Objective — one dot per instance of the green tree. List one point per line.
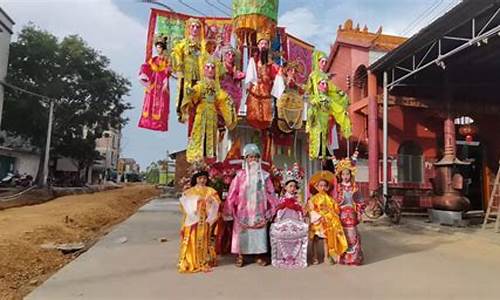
(153, 173)
(89, 95)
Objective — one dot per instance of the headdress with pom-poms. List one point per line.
(292, 174)
(346, 164)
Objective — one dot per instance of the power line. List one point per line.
(418, 19)
(192, 8)
(19, 89)
(222, 4)
(442, 12)
(445, 10)
(217, 8)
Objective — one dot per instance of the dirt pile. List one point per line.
(78, 218)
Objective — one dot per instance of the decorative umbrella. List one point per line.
(254, 16)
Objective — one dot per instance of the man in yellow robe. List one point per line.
(186, 60)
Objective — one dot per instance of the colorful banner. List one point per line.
(173, 25)
(301, 53)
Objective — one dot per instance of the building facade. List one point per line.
(413, 130)
(108, 147)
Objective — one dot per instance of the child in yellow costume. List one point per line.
(324, 218)
(200, 206)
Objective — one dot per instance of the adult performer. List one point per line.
(251, 203)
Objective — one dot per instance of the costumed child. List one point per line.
(351, 208)
(289, 231)
(324, 222)
(200, 206)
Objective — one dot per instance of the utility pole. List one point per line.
(47, 144)
(384, 140)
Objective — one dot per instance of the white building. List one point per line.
(6, 24)
(109, 148)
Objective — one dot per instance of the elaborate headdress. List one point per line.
(317, 55)
(263, 35)
(193, 21)
(228, 48)
(210, 59)
(294, 65)
(202, 30)
(161, 39)
(292, 174)
(346, 164)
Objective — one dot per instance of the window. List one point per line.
(410, 163)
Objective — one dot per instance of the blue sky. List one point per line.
(118, 29)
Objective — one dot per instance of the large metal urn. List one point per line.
(448, 182)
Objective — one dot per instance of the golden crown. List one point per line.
(263, 35)
(345, 164)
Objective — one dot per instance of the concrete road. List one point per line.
(401, 263)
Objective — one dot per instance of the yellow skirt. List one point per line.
(197, 250)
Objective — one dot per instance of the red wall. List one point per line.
(413, 124)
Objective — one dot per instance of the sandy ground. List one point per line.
(78, 218)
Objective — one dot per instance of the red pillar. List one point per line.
(373, 152)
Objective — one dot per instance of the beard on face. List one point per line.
(253, 166)
(264, 55)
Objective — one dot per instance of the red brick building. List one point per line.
(444, 75)
(413, 131)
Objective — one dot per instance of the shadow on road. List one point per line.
(384, 243)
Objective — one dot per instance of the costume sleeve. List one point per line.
(335, 206)
(213, 210)
(309, 206)
(193, 96)
(225, 107)
(251, 74)
(271, 197)
(339, 111)
(308, 85)
(145, 73)
(178, 56)
(275, 70)
(168, 70)
(358, 200)
(311, 112)
(232, 197)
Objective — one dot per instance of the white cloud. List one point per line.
(300, 22)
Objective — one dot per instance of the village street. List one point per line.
(403, 262)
